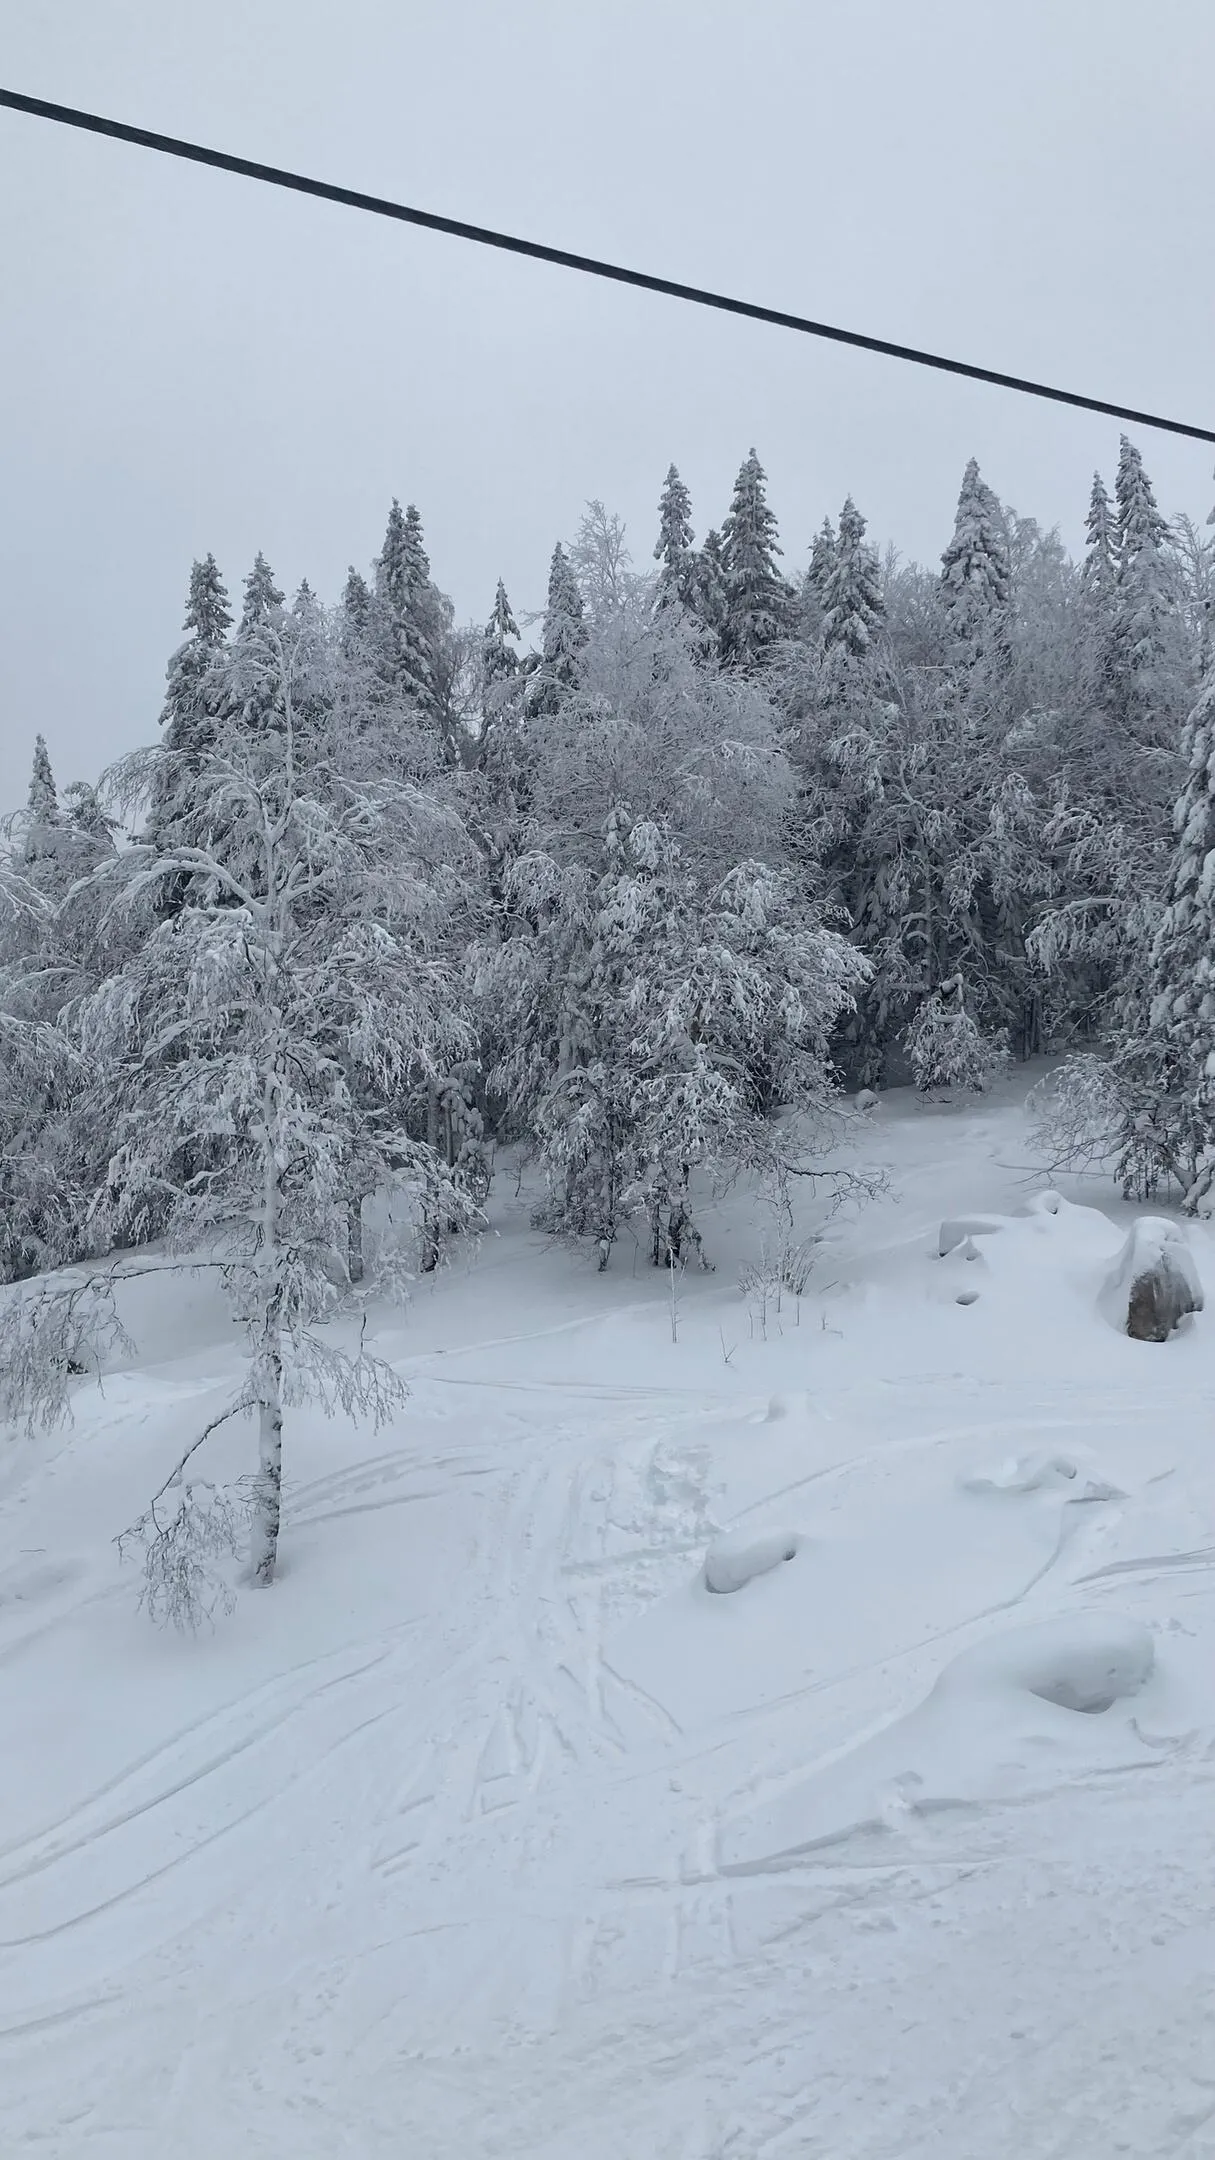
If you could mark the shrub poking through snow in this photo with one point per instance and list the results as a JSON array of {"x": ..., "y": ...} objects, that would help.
[{"x": 945, "y": 1045}]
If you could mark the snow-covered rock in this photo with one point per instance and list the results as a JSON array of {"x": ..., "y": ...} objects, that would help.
[
  {"x": 738, "y": 1557},
  {"x": 1154, "y": 1283}
]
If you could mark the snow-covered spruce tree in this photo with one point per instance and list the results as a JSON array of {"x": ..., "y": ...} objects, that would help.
[
  {"x": 268, "y": 1037},
  {"x": 190, "y": 710},
  {"x": 1099, "y": 573},
  {"x": 975, "y": 581},
  {"x": 814, "y": 585},
  {"x": 50, "y": 955},
  {"x": 708, "y": 589},
  {"x": 758, "y": 602},
  {"x": 43, "y": 822},
  {"x": 851, "y": 589},
  {"x": 674, "y": 549},
  {"x": 499, "y": 644},
  {"x": 402, "y": 578},
  {"x": 414, "y": 620},
  {"x": 563, "y": 639},
  {"x": 1166, "y": 1069},
  {"x": 1149, "y": 664},
  {"x": 638, "y": 1003}
]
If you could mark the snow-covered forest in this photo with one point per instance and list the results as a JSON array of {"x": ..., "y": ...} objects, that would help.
[
  {"x": 559, "y": 1116},
  {"x": 734, "y": 831}
]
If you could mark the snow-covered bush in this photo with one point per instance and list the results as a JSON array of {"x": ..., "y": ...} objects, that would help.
[{"x": 946, "y": 1047}]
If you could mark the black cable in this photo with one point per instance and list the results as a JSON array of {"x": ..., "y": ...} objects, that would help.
[{"x": 378, "y": 206}]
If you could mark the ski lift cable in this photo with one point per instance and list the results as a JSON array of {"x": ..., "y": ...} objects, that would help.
[{"x": 588, "y": 265}]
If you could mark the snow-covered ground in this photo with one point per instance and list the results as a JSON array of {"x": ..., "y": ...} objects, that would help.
[{"x": 493, "y": 1830}]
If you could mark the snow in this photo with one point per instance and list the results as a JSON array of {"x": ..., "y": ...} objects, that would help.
[
  {"x": 737, "y": 1558},
  {"x": 489, "y": 1830}
]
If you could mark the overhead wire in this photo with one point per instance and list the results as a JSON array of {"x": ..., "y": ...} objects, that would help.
[{"x": 588, "y": 265}]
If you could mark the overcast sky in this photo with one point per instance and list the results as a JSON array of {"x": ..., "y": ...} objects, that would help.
[{"x": 190, "y": 361}]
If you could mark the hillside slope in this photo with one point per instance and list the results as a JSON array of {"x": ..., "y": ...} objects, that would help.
[{"x": 491, "y": 1831}]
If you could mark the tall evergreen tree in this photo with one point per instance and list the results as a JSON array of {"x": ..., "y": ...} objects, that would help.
[
  {"x": 499, "y": 652},
  {"x": 43, "y": 818},
  {"x": 758, "y": 601},
  {"x": 194, "y": 697},
  {"x": 975, "y": 578},
  {"x": 814, "y": 584},
  {"x": 1099, "y": 575},
  {"x": 564, "y": 637},
  {"x": 708, "y": 588},
  {"x": 853, "y": 606},
  {"x": 408, "y": 609},
  {"x": 355, "y": 619},
  {"x": 1167, "y": 1069},
  {"x": 250, "y": 695},
  {"x": 262, "y": 598},
  {"x": 1146, "y": 653},
  {"x": 674, "y": 551}
]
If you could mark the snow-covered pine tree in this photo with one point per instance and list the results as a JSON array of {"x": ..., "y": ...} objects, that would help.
[
  {"x": 1166, "y": 1069},
  {"x": 42, "y": 834},
  {"x": 975, "y": 580},
  {"x": 499, "y": 647},
  {"x": 192, "y": 698},
  {"x": 758, "y": 603},
  {"x": 414, "y": 622},
  {"x": 853, "y": 606},
  {"x": 1099, "y": 574},
  {"x": 814, "y": 584},
  {"x": 249, "y": 689},
  {"x": 563, "y": 639},
  {"x": 1147, "y": 646},
  {"x": 262, "y": 598},
  {"x": 674, "y": 549},
  {"x": 708, "y": 590}
]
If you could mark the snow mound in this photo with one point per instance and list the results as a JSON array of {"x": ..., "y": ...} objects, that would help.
[
  {"x": 1004, "y": 1721},
  {"x": 738, "y": 1557},
  {"x": 957, "y": 1230},
  {"x": 1085, "y": 1662},
  {"x": 1041, "y": 1471},
  {"x": 1154, "y": 1282}
]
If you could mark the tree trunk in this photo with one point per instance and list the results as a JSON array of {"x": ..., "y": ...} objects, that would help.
[
  {"x": 267, "y": 1487},
  {"x": 268, "y": 1484},
  {"x": 430, "y": 1224},
  {"x": 354, "y": 1239}
]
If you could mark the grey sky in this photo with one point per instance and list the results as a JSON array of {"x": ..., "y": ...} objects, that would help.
[{"x": 189, "y": 361}]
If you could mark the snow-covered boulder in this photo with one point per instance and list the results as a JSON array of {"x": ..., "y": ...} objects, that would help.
[
  {"x": 866, "y": 1100},
  {"x": 738, "y": 1557},
  {"x": 1154, "y": 1282}
]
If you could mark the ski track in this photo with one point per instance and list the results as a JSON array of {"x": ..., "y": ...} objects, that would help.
[{"x": 447, "y": 1760}]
